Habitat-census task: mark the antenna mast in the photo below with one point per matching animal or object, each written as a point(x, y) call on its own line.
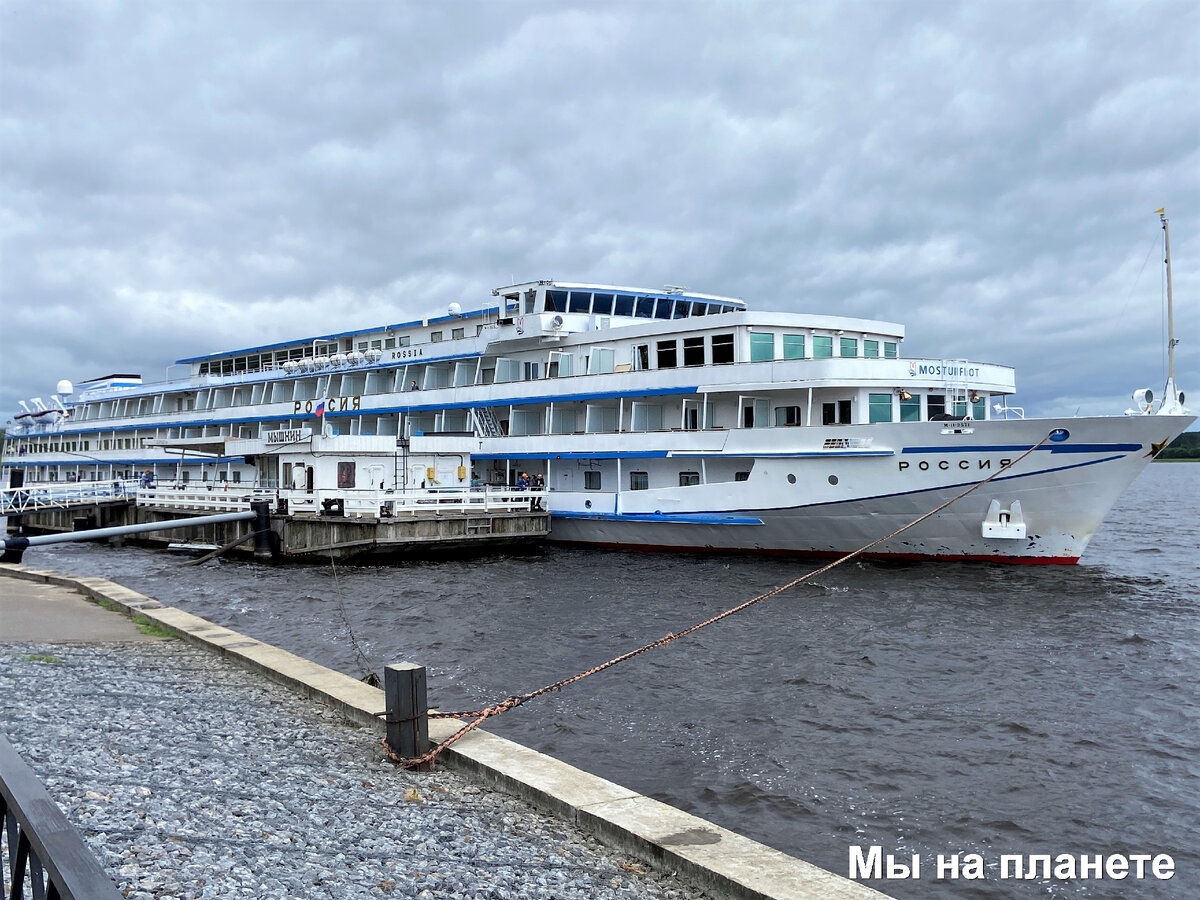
point(1171, 342)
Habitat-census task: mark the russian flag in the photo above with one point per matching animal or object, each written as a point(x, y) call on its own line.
point(320, 409)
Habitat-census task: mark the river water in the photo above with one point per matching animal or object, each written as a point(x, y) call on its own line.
point(927, 708)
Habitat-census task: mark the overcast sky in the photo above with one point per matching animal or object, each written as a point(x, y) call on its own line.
point(182, 178)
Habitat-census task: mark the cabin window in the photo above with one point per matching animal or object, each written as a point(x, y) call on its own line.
point(580, 301)
point(646, 417)
point(641, 357)
point(870, 349)
point(666, 354)
point(762, 346)
point(687, 479)
point(910, 409)
point(722, 349)
point(838, 413)
point(602, 304)
point(601, 361)
point(741, 476)
point(639, 481)
point(623, 305)
point(591, 481)
point(849, 347)
point(403, 341)
point(879, 408)
point(889, 350)
point(389, 344)
point(935, 406)
point(362, 345)
point(822, 346)
point(345, 474)
point(793, 346)
point(435, 337)
point(457, 334)
point(787, 415)
point(693, 351)
point(237, 477)
point(556, 301)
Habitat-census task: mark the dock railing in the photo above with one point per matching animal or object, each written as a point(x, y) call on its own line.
point(64, 495)
point(43, 850)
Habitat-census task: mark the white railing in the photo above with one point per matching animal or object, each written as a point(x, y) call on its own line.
point(63, 495)
point(397, 504)
point(226, 496)
point(351, 503)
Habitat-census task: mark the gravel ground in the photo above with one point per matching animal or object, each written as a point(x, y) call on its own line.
point(190, 778)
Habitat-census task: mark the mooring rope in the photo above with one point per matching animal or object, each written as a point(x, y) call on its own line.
point(479, 716)
point(370, 677)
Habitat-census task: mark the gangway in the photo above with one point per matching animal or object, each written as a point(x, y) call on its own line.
point(16, 501)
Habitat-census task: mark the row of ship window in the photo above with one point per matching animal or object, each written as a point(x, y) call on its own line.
point(636, 306)
point(763, 347)
point(640, 481)
point(258, 362)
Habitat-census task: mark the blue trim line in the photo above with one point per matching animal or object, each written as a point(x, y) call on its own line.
point(1020, 448)
point(597, 454)
point(663, 518)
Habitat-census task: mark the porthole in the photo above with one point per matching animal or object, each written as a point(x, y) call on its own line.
point(791, 478)
point(587, 504)
point(833, 479)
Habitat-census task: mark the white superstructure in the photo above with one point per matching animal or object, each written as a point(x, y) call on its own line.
point(656, 419)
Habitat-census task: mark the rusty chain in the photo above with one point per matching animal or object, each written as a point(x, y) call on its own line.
point(479, 716)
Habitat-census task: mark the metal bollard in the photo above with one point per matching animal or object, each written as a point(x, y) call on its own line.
point(407, 711)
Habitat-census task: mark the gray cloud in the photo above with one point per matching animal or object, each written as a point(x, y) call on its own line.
point(180, 179)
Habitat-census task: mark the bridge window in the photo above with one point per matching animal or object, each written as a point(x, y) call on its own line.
point(849, 347)
point(822, 346)
point(889, 350)
point(602, 304)
point(762, 346)
point(556, 301)
point(793, 346)
point(870, 349)
point(623, 305)
point(662, 310)
point(935, 405)
point(580, 301)
point(910, 409)
point(722, 349)
point(645, 307)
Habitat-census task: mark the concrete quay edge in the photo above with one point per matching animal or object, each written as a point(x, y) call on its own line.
point(707, 855)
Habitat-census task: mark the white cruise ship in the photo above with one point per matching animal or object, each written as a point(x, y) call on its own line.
point(660, 419)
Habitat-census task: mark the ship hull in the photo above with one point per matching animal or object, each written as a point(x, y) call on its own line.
point(1055, 497)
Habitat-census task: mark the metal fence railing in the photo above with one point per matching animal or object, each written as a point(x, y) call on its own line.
point(43, 851)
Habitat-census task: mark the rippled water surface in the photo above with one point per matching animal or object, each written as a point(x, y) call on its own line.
point(927, 708)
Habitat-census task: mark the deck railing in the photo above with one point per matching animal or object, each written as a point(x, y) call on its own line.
point(43, 850)
point(348, 502)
